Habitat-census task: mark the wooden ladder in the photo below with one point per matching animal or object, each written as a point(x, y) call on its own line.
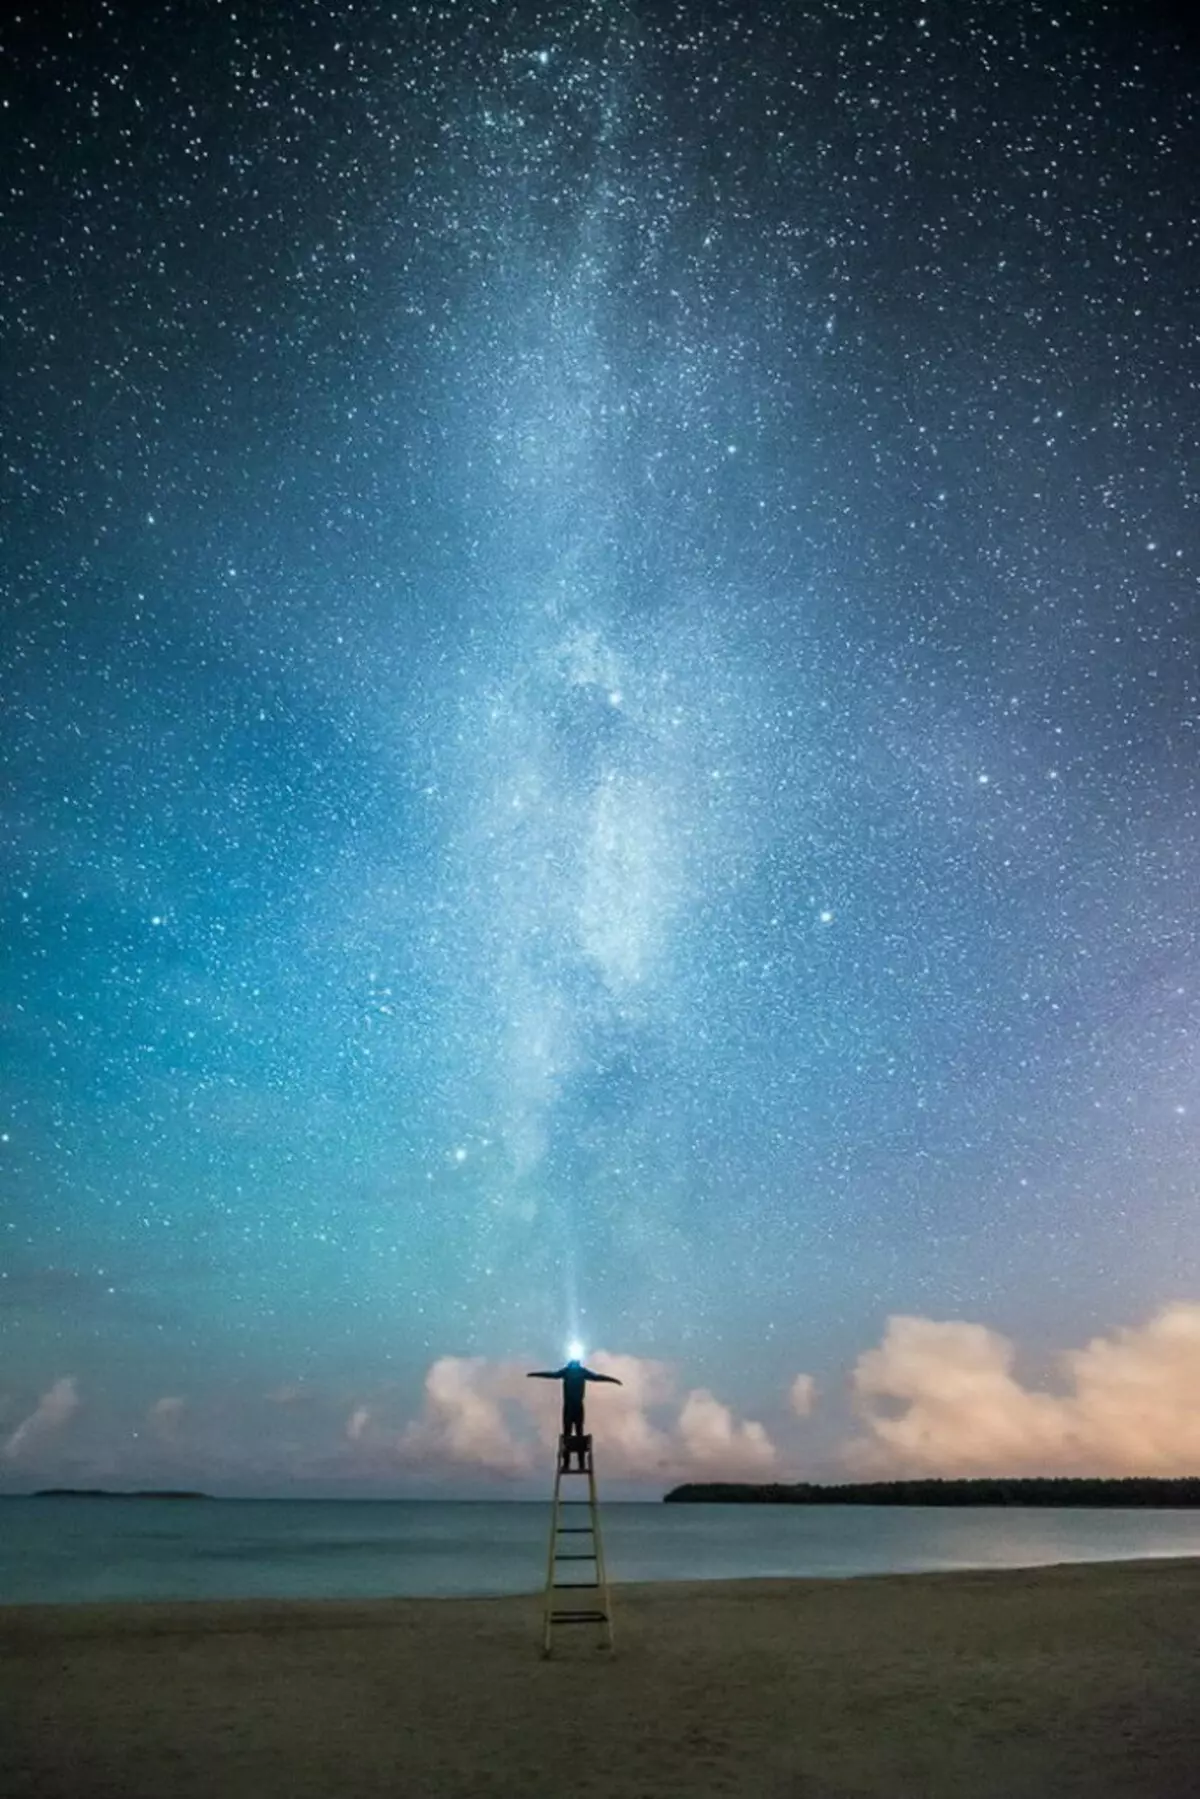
point(558, 1607)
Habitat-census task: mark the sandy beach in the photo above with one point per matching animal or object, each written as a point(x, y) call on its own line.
point(1062, 1681)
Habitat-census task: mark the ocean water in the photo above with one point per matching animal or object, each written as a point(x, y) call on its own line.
point(64, 1549)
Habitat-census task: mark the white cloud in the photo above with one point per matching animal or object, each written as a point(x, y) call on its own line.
point(803, 1394)
point(165, 1415)
point(462, 1421)
point(942, 1398)
point(716, 1443)
point(56, 1407)
point(356, 1424)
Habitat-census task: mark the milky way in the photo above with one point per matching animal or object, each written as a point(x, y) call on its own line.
point(602, 688)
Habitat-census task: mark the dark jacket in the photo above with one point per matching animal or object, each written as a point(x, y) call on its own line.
point(574, 1377)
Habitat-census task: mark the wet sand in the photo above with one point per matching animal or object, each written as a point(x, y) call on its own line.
point(1062, 1681)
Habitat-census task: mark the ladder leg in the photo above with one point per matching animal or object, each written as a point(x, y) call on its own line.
point(548, 1606)
point(598, 1544)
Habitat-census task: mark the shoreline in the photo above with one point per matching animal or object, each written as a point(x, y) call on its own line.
point(11, 1610)
point(14, 1610)
point(1060, 1681)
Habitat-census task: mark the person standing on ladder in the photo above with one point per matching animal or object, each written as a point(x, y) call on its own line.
point(574, 1377)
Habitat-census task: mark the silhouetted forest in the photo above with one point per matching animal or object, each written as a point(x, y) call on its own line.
point(108, 1493)
point(1134, 1491)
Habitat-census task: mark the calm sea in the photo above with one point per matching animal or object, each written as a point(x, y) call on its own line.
point(62, 1549)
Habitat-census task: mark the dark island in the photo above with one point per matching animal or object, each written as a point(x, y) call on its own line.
point(107, 1493)
point(1137, 1491)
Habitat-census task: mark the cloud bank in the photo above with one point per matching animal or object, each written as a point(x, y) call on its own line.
point(934, 1397)
point(943, 1398)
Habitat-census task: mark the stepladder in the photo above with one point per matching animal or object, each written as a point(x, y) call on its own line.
point(576, 1578)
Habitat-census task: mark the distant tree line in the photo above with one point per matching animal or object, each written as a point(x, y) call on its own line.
point(1136, 1490)
point(108, 1493)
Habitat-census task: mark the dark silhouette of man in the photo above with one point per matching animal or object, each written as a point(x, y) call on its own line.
point(574, 1377)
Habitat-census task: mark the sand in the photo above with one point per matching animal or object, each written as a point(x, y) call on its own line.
point(1061, 1681)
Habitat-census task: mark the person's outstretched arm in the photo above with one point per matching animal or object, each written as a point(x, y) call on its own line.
point(610, 1378)
point(544, 1374)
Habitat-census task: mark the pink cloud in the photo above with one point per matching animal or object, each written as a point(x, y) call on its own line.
point(717, 1444)
point(462, 1421)
point(942, 1398)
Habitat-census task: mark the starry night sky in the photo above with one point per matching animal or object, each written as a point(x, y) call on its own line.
point(601, 658)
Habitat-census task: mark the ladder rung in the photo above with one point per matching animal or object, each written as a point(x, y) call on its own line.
point(575, 1555)
point(579, 1617)
point(573, 1586)
point(574, 1530)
